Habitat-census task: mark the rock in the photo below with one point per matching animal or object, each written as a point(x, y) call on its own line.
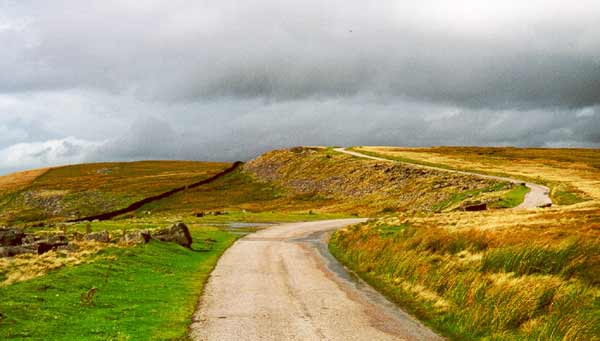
point(51, 243)
point(67, 248)
point(102, 237)
point(545, 205)
point(29, 239)
point(136, 237)
point(199, 214)
point(476, 207)
point(177, 233)
point(10, 251)
point(11, 237)
point(78, 236)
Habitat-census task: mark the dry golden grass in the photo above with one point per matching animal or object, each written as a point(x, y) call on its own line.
point(575, 168)
point(17, 181)
point(27, 266)
point(362, 186)
point(505, 274)
point(81, 190)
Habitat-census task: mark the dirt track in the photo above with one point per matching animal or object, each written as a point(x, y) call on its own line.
point(537, 196)
point(282, 284)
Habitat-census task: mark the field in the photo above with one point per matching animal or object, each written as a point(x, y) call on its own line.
point(80, 190)
point(572, 174)
point(145, 292)
point(499, 274)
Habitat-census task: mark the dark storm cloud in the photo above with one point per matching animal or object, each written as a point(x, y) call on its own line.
point(84, 81)
point(495, 55)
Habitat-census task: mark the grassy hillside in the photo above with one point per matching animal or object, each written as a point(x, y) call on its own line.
point(573, 174)
point(366, 187)
point(82, 190)
point(499, 274)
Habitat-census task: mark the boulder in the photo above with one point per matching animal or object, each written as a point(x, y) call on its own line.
point(102, 236)
point(476, 207)
point(11, 237)
point(136, 237)
point(177, 233)
point(51, 243)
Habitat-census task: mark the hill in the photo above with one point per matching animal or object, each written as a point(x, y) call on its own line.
point(62, 193)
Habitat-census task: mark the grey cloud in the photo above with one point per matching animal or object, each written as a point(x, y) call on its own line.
point(226, 80)
point(185, 50)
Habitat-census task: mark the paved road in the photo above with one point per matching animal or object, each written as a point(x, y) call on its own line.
point(538, 195)
point(281, 284)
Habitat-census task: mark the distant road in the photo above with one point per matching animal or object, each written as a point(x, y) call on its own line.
point(281, 284)
point(538, 195)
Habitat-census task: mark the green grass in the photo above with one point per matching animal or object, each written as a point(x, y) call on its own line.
point(514, 197)
point(145, 292)
point(564, 197)
point(459, 197)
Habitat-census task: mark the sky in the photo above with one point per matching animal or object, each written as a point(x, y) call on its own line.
point(86, 81)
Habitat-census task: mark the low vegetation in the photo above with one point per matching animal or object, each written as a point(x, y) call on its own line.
point(539, 282)
point(364, 187)
point(495, 274)
point(572, 174)
point(145, 292)
point(80, 190)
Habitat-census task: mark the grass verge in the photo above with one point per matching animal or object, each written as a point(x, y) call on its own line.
point(144, 292)
point(476, 284)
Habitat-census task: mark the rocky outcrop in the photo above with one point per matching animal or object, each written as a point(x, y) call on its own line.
point(51, 243)
point(178, 233)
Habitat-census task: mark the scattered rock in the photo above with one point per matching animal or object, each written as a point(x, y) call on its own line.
point(10, 251)
point(199, 214)
point(11, 237)
point(136, 237)
point(545, 205)
point(67, 248)
point(476, 207)
point(51, 243)
point(78, 236)
point(178, 233)
point(102, 237)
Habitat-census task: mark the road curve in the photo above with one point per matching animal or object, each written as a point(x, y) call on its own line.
point(538, 196)
point(281, 284)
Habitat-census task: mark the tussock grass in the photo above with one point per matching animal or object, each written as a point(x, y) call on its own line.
point(482, 283)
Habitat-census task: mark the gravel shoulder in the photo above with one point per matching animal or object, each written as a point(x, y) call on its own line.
point(281, 284)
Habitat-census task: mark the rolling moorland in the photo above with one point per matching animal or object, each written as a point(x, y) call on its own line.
point(498, 273)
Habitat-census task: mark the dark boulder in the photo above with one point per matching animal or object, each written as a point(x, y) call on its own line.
point(11, 237)
point(476, 207)
point(50, 243)
point(177, 233)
